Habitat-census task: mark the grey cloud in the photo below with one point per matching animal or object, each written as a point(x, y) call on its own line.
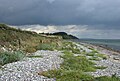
point(97, 14)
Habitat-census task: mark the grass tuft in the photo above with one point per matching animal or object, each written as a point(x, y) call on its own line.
point(103, 56)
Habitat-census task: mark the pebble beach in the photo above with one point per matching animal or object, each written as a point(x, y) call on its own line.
point(28, 68)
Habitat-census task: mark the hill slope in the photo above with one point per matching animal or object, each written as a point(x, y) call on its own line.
point(16, 39)
point(63, 35)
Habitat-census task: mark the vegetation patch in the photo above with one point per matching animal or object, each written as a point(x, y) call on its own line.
point(103, 56)
point(67, 75)
point(77, 63)
point(94, 58)
point(9, 57)
point(95, 55)
point(72, 69)
point(76, 51)
point(45, 47)
point(106, 78)
point(69, 46)
point(90, 54)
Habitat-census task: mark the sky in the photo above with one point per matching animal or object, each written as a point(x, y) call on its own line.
point(98, 19)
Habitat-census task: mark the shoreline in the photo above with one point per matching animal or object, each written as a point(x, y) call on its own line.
point(104, 46)
point(112, 54)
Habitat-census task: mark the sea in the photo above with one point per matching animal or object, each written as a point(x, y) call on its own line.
point(108, 43)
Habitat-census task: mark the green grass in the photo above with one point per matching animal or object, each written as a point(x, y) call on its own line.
point(94, 58)
point(45, 47)
point(9, 57)
point(106, 78)
point(91, 48)
point(69, 46)
point(76, 51)
point(95, 54)
point(103, 56)
point(67, 75)
point(94, 51)
point(72, 69)
point(90, 54)
point(77, 63)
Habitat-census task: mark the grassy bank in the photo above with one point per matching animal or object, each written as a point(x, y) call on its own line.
point(27, 41)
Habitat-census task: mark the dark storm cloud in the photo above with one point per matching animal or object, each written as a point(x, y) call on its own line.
point(101, 14)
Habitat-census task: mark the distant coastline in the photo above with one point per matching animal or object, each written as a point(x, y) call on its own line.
point(109, 44)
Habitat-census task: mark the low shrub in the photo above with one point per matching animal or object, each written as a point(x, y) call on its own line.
point(9, 57)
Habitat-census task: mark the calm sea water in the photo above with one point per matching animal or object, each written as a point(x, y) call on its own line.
point(111, 43)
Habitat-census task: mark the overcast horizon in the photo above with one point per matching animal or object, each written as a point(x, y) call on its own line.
point(98, 19)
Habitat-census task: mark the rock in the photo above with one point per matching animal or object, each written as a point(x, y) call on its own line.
point(116, 58)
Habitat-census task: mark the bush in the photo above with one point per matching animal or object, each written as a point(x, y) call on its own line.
point(45, 47)
point(9, 57)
